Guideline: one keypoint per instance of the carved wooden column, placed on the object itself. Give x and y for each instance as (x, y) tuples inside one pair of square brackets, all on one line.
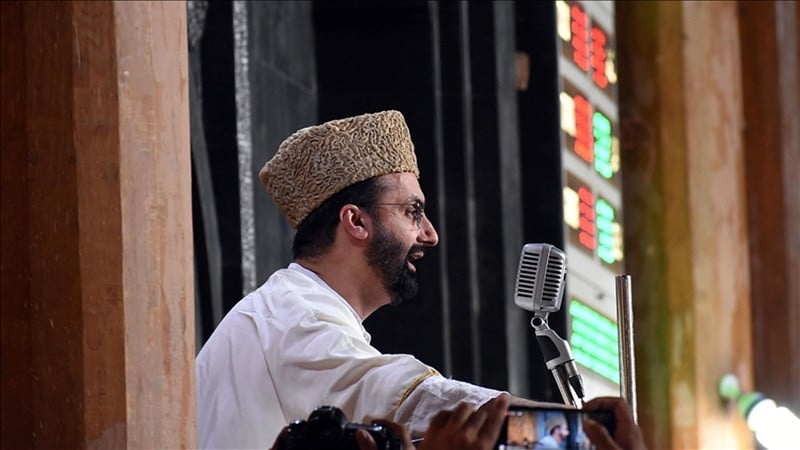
[(685, 218), (98, 321), (771, 88)]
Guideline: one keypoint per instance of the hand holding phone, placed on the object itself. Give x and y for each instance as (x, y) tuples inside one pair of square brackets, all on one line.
[(467, 428), (552, 427), (627, 435)]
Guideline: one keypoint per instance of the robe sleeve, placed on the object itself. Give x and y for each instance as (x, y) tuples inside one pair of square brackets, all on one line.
[(322, 360), (434, 394)]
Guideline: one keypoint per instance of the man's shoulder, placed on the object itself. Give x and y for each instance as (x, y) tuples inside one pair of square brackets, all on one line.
[(275, 301), (293, 292), (299, 292), (289, 282)]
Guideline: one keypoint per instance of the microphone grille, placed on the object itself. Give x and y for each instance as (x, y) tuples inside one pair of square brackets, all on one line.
[(540, 278)]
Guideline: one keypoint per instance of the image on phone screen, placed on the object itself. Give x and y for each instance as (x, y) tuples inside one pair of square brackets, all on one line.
[(548, 428)]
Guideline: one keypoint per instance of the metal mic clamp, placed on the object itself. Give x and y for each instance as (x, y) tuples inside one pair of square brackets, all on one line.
[(559, 360)]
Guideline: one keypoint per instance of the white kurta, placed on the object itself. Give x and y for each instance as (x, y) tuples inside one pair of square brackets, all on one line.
[(295, 344)]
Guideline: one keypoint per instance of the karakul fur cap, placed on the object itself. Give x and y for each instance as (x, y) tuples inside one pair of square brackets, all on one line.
[(316, 162)]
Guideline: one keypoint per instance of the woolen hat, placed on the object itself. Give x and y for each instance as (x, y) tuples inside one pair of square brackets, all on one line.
[(316, 162)]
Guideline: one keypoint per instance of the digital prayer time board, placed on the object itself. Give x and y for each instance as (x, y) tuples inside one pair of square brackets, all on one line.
[(588, 111), (572, 188)]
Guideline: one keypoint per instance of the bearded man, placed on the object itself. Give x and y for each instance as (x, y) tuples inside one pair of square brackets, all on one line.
[(557, 432), (350, 189)]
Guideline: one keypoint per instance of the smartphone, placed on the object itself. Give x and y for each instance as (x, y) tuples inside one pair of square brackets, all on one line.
[(542, 428)]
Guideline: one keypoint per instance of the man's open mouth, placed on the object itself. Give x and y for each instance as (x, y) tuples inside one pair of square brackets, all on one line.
[(414, 256)]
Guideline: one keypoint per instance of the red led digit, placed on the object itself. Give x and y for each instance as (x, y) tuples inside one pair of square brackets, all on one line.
[(587, 234), (599, 57), (586, 196), (586, 210), (580, 37), (584, 136), (587, 240), (588, 226)]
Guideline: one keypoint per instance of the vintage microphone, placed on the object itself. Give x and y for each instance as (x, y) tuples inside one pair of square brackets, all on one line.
[(539, 288)]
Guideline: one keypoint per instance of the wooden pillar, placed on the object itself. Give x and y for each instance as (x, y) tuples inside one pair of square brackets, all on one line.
[(771, 87), (685, 218), (15, 305), (98, 323), (155, 167)]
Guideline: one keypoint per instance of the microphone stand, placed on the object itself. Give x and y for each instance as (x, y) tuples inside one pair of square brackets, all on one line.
[(541, 276), (627, 364), (559, 360)]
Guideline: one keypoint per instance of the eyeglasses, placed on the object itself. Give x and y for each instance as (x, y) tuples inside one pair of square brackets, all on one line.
[(416, 210)]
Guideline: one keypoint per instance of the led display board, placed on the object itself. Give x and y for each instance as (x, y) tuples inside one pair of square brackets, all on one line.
[(594, 340), (591, 186)]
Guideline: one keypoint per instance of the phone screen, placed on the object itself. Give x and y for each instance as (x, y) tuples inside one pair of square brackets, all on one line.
[(549, 428)]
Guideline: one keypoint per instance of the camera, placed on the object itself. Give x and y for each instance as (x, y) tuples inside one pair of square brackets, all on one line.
[(327, 428), (549, 427)]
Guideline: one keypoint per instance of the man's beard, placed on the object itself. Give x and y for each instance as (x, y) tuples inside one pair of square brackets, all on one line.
[(386, 254)]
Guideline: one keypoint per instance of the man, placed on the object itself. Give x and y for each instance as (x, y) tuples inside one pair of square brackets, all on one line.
[(350, 189), (557, 432)]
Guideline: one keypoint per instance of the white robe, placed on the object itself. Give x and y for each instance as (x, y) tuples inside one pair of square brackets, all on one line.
[(295, 344)]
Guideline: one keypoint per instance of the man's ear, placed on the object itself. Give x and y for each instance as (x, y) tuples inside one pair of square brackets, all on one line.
[(355, 221)]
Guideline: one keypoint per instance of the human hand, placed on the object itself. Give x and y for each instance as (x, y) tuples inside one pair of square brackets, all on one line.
[(627, 435), (366, 442), (465, 428)]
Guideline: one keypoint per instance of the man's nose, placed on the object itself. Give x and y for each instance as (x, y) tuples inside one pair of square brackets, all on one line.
[(428, 234)]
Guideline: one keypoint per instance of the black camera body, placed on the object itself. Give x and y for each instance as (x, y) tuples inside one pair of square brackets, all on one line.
[(327, 428)]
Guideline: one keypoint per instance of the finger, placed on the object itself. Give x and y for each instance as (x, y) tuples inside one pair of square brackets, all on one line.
[(440, 419), (598, 435), (480, 415), (619, 407), (399, 430), (478, 418), (494, 422), (599, 403), (460, 415), (489, 404), (474, 424), (615, 404), (365, 441), (627, 434)]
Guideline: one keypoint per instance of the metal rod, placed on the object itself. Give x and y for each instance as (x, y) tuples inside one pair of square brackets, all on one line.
[(627, 366)]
